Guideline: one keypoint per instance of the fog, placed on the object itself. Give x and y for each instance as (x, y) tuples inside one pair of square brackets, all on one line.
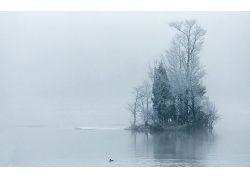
[(79, 68)]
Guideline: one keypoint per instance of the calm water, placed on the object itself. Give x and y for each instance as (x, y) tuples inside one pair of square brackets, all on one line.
[(61, 146), (227, 145)]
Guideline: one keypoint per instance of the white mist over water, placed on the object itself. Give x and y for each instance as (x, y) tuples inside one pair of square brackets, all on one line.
[(70, 68), (92, 146), (63, 70), (48, 146)]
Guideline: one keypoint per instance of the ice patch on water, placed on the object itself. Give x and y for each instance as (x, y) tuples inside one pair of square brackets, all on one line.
[(85, 128), (99, 128)]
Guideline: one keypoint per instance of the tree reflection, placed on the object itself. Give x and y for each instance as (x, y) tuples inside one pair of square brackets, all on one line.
[(182, 148), (170, 148), (142, 141)]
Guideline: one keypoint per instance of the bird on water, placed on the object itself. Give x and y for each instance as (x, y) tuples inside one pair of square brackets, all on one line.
[(110, 160)]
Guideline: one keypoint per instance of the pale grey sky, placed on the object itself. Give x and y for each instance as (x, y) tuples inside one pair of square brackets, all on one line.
[(90, 61)]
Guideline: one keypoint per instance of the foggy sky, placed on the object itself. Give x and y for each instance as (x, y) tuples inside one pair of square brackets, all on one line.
[(90, 61)]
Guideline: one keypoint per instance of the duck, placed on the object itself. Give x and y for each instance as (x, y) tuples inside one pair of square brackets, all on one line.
[(110, 160)]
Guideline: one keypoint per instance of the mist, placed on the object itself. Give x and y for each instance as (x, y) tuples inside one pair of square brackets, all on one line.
[(79, 68)]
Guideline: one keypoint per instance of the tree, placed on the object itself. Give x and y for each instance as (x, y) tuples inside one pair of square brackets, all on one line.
[(211, 114), (146, 111), (178, 92), (185, 70), (133, 107), (162, 98)]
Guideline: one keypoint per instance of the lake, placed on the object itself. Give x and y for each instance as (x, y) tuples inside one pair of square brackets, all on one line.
[(64, 146), (92, 146)]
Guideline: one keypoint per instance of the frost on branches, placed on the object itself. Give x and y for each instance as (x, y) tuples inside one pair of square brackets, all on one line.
[(177, 95)]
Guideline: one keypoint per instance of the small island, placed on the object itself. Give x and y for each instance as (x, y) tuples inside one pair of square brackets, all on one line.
[(175, 98)]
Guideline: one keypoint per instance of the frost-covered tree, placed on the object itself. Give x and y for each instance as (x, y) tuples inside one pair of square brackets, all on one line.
[(145, 102), (185, 71), (141, 108), (133, 107), (210, 114), (178, 92), (162, 98)]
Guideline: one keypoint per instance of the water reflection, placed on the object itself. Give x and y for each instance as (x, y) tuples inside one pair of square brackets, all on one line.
[(175, 148)]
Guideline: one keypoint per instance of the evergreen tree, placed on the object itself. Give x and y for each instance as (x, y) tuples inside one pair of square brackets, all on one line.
[(162, 99), (178, 92)]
